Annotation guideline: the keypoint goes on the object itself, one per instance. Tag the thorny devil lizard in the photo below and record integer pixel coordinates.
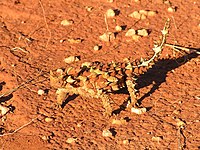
(97, 80)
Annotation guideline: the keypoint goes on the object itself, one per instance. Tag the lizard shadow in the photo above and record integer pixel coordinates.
(2, 97)
(70, 98)
(2, 84)
(157, 74)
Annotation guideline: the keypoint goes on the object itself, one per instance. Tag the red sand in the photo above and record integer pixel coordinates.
(171, 87)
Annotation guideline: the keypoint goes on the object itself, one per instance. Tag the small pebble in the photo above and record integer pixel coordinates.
(151, 13)
(142, 32)
(79, 125)
(89, 8)
(75, 41)
(180, 123)
(118, 28)
(71, 59)
(167, 2)
(144, 12)
(97, 47)
(110, 1)
(130, 32)
(138, 111)
(40, 92)
(156, 138)
(71, 140)
(143, 16)
(135, 14)
(61, 41)
(171, 9)
(48, 119)
(106, 133)
(3, 110)
(135, 37)
(107, 37)
(59, 71)
(125, 142)
(110, 13)
(45, 138)
(13, 65)
(119, 122)
(67, 22)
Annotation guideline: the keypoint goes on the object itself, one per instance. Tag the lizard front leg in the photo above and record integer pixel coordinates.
(61, 94)
(130, 83)
(106, 104)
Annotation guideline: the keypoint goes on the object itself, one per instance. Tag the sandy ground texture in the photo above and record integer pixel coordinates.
(37, 35)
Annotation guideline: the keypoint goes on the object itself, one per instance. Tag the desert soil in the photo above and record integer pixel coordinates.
(33, 41)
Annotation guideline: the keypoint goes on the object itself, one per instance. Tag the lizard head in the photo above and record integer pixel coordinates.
(56, 78)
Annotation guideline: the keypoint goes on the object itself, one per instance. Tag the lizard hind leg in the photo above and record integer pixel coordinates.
(130, 83)
(106, 104)
(61, 94)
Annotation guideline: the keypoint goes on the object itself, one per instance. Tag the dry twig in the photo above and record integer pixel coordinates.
(189, 50)
(45, 20)
(19, 48)
(15, 89)
(18, 87)
(106, 22)
(19, 128)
